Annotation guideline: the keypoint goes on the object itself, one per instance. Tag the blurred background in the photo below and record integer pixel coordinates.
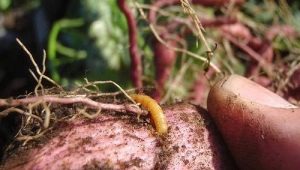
(89, 39)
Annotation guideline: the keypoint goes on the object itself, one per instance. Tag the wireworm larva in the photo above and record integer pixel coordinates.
(157, 114)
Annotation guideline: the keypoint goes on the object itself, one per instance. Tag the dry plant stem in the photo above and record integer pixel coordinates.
(157, 8)
(36, 66)
(119, 87)
(265, 66)
(176, 81)
(286, 12)
(190, 11)
(158, 5)
(70, 100)
(136, 64)
(175, 48)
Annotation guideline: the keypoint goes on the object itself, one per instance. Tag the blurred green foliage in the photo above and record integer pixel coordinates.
(26, 5)
(54, 46)
(102, 38)
(4, 4)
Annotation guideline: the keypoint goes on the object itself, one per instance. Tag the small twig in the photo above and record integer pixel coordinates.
(36, 66)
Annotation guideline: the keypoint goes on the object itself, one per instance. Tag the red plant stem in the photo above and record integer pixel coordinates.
(69, 100)
(164, 59)
(206, 23)
(217, 21)
(244, 47)
(136, 64)
(262, 62)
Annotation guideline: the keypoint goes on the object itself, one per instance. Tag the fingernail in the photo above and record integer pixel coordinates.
(249, 90)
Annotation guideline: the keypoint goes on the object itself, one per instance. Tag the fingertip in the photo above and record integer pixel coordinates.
(249, 90)
(260, 128)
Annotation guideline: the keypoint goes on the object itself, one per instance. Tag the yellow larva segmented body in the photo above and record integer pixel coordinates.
(157, 114)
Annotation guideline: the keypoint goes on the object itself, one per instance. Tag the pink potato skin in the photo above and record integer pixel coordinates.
(121, 142)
